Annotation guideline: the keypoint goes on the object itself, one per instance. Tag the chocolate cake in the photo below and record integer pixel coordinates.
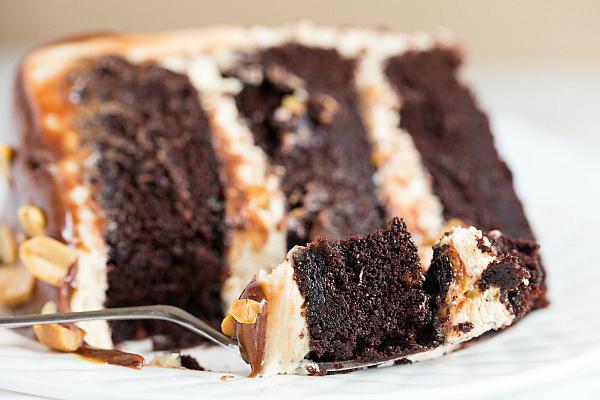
(367, 299)
(177, 165)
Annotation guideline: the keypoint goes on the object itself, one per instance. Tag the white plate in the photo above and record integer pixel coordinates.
(552, 353)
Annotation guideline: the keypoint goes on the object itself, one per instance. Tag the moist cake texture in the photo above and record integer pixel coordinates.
(364, 297)
(319, 140)
(156, 180)
(177, 165)
(367, 299)
(454, 139)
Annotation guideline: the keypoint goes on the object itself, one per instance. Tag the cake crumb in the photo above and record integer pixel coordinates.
(176, 361)
(166, 360)
(190, 362)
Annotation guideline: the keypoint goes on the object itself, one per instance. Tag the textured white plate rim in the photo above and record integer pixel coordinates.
(549, 347)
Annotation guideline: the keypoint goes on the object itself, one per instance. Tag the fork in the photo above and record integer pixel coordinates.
(164, 313)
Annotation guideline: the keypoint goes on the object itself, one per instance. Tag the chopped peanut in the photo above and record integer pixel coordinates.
(47, 259)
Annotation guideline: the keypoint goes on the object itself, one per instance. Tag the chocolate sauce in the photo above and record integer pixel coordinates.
(190, 362)
(114, 357)
(252, 337)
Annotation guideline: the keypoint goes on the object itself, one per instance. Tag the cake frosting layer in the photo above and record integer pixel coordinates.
(48, 174)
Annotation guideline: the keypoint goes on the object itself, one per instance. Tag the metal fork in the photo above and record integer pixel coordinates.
(164, 313)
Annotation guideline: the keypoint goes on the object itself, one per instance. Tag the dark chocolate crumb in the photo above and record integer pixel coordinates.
(440, 275)
(190, 362)
(365, 297)
(482, 246)
(505, 273)
(464, 327)
(315, 372)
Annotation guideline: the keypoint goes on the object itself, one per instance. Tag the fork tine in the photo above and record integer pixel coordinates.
(160, 312)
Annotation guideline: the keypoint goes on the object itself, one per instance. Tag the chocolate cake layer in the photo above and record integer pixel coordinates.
(527, 255)
(364, 297)
(305, 115)
(455, 142)
(155, 181)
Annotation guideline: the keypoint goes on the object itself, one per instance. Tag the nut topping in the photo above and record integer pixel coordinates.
(327, 108)
(228, 326)
(282, 78)
(47, 259)
(245, 311)
(6, 157)
(57, 337)
(49, 307)
(32, 219)
(16, 285)
(8, 245)
(294, 105)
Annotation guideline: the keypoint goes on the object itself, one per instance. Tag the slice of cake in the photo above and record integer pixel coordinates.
(176, 165)
(367, 299)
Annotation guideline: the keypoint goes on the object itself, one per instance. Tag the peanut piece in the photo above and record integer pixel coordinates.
(47, 259)
(8, 245)
(228, 326)
(16, 285)
(58, 337)
(293, 105)
(49, 307)
(6, 157)
(245, 311)
(32, 219)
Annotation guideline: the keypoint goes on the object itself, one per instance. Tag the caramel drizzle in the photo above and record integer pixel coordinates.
(66, 289)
